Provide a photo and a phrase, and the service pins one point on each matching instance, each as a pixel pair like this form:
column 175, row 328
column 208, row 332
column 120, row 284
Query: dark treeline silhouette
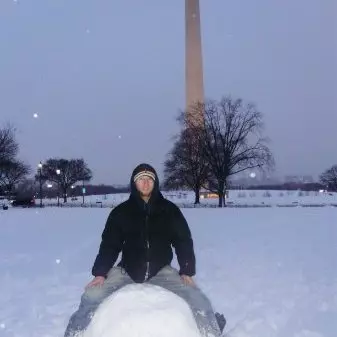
column 217, row 140
column 287, row 187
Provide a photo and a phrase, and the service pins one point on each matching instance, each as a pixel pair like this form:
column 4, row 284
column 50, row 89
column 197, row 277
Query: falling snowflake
column 58, row 261
column 2, row 326
column 36, row 115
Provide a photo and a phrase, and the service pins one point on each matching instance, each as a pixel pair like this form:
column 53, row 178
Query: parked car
column 23, row 202
column 3, row 203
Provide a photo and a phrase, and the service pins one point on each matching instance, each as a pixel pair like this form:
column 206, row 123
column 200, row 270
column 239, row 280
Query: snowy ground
column 271, row 271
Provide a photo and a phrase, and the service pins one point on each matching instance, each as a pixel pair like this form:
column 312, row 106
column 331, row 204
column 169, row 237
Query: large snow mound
column 143, row 310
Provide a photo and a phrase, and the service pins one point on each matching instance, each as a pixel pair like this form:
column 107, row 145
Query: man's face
column 145, row 186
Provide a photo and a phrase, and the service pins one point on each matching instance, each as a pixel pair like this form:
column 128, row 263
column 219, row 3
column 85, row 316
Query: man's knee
column 168, row 273
column 94, row 295
column 198, row 299
column 115, row 274
column 168, row 269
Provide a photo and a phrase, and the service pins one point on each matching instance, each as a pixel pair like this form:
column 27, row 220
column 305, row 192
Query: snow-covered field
column 235, row 198
column 271, row 271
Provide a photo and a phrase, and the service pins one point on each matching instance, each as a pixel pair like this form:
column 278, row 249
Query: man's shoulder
column 174, row 211
column 120, row 208
column 170, row 205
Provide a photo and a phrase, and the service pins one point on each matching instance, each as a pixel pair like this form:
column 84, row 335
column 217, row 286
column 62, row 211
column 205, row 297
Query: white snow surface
column 271, row 271
column 155, row 312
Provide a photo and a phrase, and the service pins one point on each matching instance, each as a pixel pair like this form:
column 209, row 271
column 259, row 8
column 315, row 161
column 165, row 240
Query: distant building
column 299, row 179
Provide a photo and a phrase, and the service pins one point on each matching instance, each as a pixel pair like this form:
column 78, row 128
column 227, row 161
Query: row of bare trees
column 13, row 172
column 218, row 139
column 64, row 173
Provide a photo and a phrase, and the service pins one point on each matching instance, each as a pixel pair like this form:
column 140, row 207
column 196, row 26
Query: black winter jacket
column 144, row 233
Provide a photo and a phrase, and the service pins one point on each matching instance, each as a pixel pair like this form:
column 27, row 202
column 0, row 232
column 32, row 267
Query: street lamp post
column 83, row 191
column 72, row 191
column 49, row 186
column 40, row 181
column 58, row 172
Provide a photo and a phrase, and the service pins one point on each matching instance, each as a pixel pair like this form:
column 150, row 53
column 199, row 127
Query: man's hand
column 97, row 281
column 188, row 280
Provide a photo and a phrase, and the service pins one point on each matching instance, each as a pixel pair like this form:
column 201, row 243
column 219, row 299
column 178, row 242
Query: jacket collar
column 150, row 207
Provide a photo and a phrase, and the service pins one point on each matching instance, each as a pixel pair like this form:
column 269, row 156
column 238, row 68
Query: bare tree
column 65, row 173
column 8, row 145
column 232, row 138
column 185, row 166
column 329, row 178
column 11, row 173
column 12, row 170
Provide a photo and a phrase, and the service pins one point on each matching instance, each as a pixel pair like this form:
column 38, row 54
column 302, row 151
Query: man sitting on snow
column 143, row 228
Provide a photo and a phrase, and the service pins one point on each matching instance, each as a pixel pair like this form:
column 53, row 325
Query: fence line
column 189, row 205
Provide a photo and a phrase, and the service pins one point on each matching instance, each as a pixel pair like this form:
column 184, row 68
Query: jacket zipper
column 148, row 248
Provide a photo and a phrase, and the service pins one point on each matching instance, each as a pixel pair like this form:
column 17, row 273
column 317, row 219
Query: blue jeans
column 167, row 278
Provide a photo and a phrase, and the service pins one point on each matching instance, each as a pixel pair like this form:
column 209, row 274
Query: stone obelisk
column 193, row 54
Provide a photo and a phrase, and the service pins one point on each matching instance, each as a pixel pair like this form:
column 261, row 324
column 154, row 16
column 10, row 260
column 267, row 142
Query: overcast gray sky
column 107, row 77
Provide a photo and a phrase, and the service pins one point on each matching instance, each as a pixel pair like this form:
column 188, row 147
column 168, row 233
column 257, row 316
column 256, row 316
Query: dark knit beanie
column 144, row 170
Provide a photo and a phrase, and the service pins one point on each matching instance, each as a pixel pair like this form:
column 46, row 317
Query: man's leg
column 200, row 305
column 93, row 297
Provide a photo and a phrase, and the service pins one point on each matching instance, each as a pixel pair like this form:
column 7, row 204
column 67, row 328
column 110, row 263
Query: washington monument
column 193, row 54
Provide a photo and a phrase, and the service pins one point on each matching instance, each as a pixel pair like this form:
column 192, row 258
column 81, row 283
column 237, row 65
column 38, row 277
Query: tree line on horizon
column 216, row 141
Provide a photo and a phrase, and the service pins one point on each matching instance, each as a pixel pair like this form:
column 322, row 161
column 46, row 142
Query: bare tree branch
column 8, row 145
column 11, row 173
column 329, row 178
column 232, row 140
column 185, row 166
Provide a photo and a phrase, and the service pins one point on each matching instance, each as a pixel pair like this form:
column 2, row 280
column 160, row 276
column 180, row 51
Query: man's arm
column 183, row 243
column 110, row 247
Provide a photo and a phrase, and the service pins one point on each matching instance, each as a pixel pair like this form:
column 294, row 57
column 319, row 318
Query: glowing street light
column 58, row 172
column 40, row 180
